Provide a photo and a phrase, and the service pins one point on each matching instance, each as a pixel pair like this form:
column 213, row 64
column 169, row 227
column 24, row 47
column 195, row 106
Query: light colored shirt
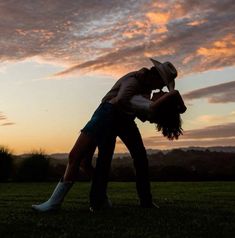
column 125, row 88
column 140, row 107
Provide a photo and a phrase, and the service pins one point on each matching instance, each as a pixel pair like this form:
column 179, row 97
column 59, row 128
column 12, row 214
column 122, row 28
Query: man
column 138, row 82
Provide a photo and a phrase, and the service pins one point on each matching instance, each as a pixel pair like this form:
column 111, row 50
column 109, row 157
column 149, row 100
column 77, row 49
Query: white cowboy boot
column 56, row 199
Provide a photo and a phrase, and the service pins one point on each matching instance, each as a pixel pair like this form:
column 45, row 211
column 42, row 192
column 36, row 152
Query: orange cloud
column 120, row 33
column 134, row 29
column 222, row 48
column 158, row 18
column 212, row 119
column 187, row 59
column 159, row 52
column 196, row 23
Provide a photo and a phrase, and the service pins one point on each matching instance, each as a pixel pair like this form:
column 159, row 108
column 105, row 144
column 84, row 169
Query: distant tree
column 175, row 173
column 122, row 173
column 34, row 168
column 5, row 163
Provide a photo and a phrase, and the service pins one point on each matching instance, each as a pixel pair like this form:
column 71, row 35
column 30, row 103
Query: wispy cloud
column 2, row 116
column 208, row 119
column 4, row 120
column 186, row 143
column 207, row 136
column 116, row 36
column 216, row 131
column 8, row 124
column 220, row 93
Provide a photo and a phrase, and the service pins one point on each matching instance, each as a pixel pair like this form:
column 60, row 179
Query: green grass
column 187, row 209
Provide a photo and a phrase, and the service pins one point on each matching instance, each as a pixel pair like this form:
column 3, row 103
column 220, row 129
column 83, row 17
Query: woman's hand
column 181, row 106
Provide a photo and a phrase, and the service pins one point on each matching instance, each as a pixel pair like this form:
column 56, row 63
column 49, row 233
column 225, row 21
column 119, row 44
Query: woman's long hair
column 168, row 120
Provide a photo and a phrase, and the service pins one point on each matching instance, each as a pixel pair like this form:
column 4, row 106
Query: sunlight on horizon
column 57, row 65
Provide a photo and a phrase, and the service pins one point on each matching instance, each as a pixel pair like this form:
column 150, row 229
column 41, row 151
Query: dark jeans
column 126, row 128
column 101, row 124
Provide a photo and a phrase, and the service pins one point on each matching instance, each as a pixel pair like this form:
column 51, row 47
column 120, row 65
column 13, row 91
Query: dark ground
column 187, row 209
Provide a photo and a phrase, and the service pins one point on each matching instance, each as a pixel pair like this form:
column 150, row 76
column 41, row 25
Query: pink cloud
column 114, row 38
column 208, row 136
column 220, row 93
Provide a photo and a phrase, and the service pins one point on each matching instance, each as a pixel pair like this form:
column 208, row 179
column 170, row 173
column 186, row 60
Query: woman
column 163, row 108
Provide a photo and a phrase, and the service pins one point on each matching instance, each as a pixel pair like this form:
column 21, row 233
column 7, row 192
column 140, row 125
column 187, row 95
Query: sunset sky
column 58, row 58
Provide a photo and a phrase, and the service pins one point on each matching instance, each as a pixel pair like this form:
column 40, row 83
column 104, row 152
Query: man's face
column 156, row 80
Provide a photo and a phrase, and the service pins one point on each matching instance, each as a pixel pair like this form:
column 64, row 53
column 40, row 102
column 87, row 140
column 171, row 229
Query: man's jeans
column 125, row 127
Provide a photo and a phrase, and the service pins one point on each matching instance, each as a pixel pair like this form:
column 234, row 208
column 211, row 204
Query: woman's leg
column 86, row 166
column 82, row 146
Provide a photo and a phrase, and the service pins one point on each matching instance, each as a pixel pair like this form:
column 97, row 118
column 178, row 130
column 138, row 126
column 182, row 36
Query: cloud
column 210, row 132
column 157, row 143
column 2, row 116
column 216, row 131
column 207, row 136
column 117, row 36
column 213, row 119
column 220, row 93
column 4, row 119
column 8, row 124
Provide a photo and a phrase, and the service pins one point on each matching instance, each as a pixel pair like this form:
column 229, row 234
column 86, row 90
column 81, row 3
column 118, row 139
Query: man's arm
column 172, row 95
column 128, row 88
column 144, row 108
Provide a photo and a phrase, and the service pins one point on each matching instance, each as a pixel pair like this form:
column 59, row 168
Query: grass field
column 187, row 209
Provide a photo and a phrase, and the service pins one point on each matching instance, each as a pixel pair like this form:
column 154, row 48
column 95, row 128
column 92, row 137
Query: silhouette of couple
column 129, row 98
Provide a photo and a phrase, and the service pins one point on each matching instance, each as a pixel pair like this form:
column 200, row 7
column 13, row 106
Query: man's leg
column 101, row 173
column 130, row 135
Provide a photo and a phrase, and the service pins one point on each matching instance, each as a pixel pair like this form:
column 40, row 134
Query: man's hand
column 180, row 102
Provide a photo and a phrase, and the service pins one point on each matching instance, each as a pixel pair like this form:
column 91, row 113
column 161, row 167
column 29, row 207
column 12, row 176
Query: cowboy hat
column 167, row 72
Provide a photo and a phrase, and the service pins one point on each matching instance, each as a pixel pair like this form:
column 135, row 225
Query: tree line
column 176, row 165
